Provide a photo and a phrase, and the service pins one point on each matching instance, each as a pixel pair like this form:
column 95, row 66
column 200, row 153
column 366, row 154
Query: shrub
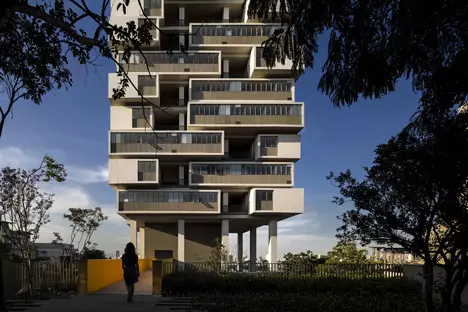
column 189, row 283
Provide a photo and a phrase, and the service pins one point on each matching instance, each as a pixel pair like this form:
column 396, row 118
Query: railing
column 176, row 62
column 231, row 34
column 287, row 270
column 168, row 201
column 231, row 89
column 237, row 209
column 149, row 142
column 186, row 22
column 44, row 275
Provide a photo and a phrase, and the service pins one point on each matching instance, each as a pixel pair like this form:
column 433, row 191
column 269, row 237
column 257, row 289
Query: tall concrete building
column 218, row 156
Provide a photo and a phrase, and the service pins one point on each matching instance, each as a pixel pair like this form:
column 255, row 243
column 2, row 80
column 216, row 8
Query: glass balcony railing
column 165, row 142
column 176, row 62
column 278, row 90
column 253, row 114
column 241, row 174
column 231, row 33
column 168, row 201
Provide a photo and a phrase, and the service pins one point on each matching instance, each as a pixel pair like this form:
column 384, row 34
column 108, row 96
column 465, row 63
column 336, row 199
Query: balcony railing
column 168, row 201
column 165, row 142
column 230, row 114
column 237, row 210
column 278, row 90
column 241, row 174
column 177, row 62
column 231, row 34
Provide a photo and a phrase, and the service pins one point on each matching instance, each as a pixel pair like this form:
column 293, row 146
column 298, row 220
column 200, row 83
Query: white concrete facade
column 208, row 136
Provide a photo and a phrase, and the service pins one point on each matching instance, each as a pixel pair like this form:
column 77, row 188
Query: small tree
column 84, row 223
column 93, row 253
column 303, row 262
column 218, row 256
column 27, row 208
column 415, row 195
column 347, row 252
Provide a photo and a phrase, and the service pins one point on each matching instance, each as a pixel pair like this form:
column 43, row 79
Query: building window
column 238, row 169
column 146, row 170
column 265, row 195
column 141, row 117
column 130, row 200
column 268, row 141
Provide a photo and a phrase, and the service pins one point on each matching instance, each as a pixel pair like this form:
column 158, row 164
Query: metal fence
column 288, row 270
column 45, row 275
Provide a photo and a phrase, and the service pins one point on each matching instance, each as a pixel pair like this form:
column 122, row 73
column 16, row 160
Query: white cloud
column 27, row 159
column 87, row 175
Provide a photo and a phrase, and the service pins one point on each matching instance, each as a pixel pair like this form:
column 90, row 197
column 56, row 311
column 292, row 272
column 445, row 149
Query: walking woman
column 131, row 270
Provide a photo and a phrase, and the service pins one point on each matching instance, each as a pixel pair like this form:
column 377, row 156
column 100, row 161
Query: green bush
column 189, row 283
column 328, row 301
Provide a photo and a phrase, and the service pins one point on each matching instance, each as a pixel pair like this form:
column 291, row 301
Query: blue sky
column 72, row 126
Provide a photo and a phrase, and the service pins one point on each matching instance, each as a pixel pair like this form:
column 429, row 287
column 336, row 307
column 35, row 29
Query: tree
column 347, row 252
column 303, row 262
column 27, row 208
column 84, row 223
column 93, row 253
column 415, row 196
column 37, row 39
column 372, row 44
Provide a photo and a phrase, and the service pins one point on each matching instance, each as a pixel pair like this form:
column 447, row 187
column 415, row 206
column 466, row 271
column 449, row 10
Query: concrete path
column 143, row 287
column 101, row 303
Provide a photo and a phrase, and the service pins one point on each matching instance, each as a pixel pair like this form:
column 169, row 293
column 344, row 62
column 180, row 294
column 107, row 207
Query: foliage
column 371, row 44
column 275, row 301
column 26, row 207
column 93, row 253
column 84, row 223
column 186, row 283
column 415, row 196
column 347, row 252
column 303, row 261
column 37, row 39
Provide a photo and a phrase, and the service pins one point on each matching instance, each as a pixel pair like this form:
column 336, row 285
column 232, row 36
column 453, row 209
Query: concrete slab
column 114, row 303
column 143, row 287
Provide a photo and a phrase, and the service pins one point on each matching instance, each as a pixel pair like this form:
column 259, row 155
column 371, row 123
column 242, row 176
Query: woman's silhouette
column 131, row 270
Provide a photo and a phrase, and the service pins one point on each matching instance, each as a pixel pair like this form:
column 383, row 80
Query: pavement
column 114, row 303
column 143, row 287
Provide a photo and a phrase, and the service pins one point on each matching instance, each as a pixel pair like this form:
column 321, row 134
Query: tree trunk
column 447, row 290
column 428, row 276
column 459, row 287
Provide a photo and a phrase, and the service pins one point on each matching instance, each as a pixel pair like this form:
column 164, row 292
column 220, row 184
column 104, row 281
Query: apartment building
column 215, row 154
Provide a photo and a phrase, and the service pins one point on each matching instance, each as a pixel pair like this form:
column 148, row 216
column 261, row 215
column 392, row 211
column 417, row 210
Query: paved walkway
column 143, row 287
column 114, row 303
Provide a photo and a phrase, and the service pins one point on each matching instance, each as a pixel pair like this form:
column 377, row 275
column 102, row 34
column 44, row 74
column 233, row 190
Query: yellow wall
column 104, row 272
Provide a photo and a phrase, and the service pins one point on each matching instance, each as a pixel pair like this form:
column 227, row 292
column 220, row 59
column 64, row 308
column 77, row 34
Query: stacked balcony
column 276, row 200
column 166, row 143
column 241, row 174
column 229, row 37
column 254, row 118
column 241, row 90
column 176, row 65
column 168, row 201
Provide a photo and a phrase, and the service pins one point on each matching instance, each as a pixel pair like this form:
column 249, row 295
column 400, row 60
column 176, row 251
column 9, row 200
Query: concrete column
column 240, row 247
column 225, row 234
column 373, row 252
column 182, row 40
column 181, row 240
column 225, row 202
column 385, row 256
column 181, row 176
column 253, row 248
column 272, row 241
column 392, row 257
column 141, row 243
column 181, row 121
column 225, row 15
column 182, row 16
column 182, row 96
column 225, row 68
column 133, row 232
column 378, row 253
